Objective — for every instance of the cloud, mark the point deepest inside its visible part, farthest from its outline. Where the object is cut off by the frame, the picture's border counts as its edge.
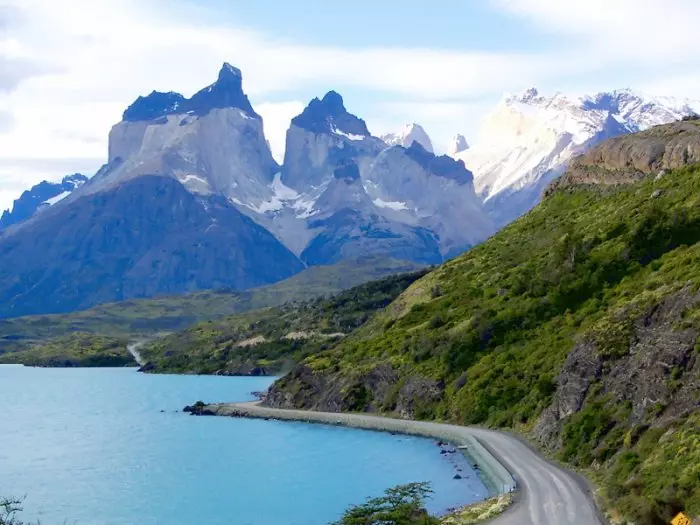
(6, 121)
(619, 30)
(276, 118)
(14, 71)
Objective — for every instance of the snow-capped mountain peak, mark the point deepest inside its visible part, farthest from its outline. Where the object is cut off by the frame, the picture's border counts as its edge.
(529, 139)
(458, 144)
(39, 197)
(407, 135)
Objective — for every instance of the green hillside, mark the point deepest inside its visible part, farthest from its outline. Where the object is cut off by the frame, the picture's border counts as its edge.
(135, 319)
(576, 325)
(74, 350)
(271, 340)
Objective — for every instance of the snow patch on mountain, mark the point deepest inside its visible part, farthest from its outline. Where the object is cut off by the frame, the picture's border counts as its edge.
(392, 205)
(57, 198)
(351, 136)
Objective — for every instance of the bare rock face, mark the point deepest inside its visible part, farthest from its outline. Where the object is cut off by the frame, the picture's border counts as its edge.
(212, 143)
(377, 390)
(583, 367)
(413, 186)
(658, 376)
(628, 158)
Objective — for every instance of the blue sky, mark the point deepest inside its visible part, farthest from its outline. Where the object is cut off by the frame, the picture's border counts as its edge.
(68, 69)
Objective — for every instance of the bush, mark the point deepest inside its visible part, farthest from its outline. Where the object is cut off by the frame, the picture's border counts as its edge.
(402, 505)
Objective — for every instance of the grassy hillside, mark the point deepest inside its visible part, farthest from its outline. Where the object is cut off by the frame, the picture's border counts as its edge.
(269, 341)
(138, 318)
(74, 350)
(576, 325)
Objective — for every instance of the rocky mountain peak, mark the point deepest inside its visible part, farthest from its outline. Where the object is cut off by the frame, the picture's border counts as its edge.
(329, 115)
(409, 134)
(442, 166)
(529, 95)
(42, 195)
(334, 104)
(153, 106)
(457, 145)
(226, 92)
(228, 72)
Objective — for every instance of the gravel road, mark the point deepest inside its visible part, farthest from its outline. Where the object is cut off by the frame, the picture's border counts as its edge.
(547, 494)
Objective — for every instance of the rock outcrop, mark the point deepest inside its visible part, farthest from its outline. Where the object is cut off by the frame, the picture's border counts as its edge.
(629, 158)
(654, 373)
(379, 389)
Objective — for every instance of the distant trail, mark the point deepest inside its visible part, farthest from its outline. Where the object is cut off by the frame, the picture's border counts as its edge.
(547, 494)
(133, 349)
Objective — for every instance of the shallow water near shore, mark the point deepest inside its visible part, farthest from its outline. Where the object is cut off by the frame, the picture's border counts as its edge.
(111, 446)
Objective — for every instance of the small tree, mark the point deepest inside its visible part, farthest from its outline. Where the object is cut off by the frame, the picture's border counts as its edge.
(402, 505)
(9, 508)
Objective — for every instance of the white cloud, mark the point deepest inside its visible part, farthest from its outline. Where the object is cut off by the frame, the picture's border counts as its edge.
(642, 31)
(276, 118)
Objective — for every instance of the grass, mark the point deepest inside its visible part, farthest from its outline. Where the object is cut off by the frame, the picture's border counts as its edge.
(74, 350)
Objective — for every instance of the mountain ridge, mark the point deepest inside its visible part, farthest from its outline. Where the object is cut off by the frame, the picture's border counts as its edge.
(529, 139)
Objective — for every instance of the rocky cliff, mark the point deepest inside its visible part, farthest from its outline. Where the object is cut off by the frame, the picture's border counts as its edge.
(629, 158)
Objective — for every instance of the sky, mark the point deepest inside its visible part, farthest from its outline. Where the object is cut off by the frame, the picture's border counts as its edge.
(68, 69)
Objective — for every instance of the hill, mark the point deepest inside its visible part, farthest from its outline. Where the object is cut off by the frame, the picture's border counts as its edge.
(271, 340)
(139, 319)
(577, 325)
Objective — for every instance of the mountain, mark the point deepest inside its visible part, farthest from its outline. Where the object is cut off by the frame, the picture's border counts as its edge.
(578, 325)
(144, 237)
(343, 193)
(159, 217)
(190, 199)
(41, 196)
(457, 145)
(406, 136)
(212, 143)
(529, 139)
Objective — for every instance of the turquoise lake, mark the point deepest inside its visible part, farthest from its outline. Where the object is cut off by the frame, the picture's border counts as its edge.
(111, 446)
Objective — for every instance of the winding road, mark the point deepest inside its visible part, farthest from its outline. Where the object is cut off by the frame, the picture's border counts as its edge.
(546, 493)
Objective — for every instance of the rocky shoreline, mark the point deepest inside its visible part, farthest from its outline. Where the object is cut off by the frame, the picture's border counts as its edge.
(497, 479)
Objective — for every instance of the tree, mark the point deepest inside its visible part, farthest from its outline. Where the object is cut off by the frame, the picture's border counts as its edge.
(9, 508)
(402, 505)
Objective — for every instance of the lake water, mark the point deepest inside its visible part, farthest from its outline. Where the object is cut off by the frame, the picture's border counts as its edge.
(111, 446)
